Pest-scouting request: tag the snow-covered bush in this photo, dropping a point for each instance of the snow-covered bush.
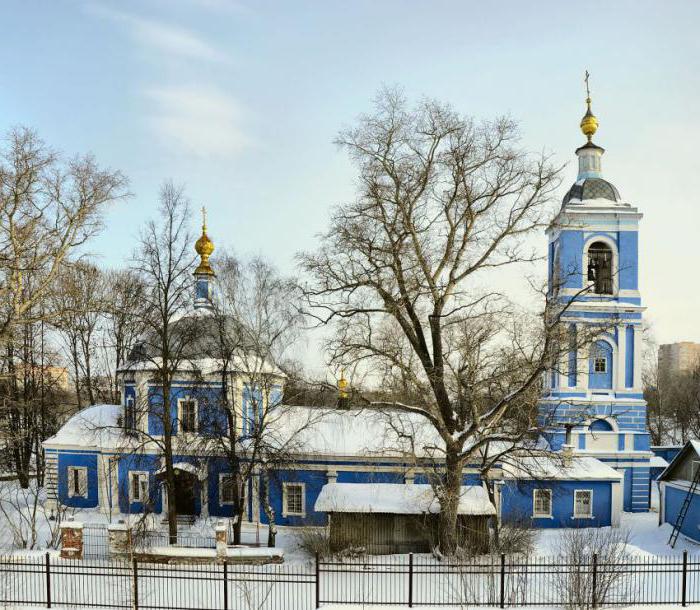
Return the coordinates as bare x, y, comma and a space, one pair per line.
580, 589
314, 540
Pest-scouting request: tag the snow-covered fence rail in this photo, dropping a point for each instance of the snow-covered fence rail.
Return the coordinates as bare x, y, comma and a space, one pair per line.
416, 581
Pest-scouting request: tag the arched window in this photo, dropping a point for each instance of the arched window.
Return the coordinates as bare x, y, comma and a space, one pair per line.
600, 425
600, 373
600, 259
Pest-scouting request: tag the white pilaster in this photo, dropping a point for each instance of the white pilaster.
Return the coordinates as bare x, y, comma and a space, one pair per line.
637, 379
620, 365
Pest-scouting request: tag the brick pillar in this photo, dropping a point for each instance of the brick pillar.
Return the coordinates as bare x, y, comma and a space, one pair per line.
221, 534
119, 536
71, 539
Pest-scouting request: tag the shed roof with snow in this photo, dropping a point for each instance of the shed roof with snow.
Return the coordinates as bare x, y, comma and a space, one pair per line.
578, 468
397, 499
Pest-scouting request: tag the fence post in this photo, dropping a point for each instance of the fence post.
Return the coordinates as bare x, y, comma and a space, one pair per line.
318, 584
136, 583
594, 592
410, 580
685, 578
48, 581
503, 580
225, 585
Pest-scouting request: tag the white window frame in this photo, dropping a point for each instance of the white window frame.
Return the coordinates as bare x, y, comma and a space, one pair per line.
285, 499
180, 418
222, 476
82, 470
535, 493
138, 473
604, 368
590, 513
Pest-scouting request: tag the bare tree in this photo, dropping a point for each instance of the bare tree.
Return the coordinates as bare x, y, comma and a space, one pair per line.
164, 265
78, 299
121, 325
441, 201
48, 209
254, 321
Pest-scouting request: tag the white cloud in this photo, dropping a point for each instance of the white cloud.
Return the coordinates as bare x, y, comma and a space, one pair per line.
204, 121
168, 39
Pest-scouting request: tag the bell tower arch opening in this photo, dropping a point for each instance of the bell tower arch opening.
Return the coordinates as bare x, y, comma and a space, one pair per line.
600, 267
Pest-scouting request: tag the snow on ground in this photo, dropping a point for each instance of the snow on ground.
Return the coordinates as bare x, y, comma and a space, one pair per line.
646, 537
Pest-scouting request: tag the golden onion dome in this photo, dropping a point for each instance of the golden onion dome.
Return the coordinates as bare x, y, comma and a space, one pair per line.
204, 247
589, 122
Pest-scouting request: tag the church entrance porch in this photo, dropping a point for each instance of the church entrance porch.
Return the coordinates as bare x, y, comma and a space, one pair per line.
186, 485
189, 491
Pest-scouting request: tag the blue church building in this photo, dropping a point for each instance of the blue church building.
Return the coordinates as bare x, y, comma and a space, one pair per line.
592, 411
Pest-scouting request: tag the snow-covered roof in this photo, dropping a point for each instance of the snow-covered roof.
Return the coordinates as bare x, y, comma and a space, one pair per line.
354, 432
252, 365
186, 467
658, 462
93, 427
690, 445
397, 499
551, 467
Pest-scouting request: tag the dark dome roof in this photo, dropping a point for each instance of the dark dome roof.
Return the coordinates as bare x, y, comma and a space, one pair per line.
592, 188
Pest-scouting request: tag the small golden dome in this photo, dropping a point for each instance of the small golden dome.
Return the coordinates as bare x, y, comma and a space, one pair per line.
204, 247
589, 122
342, 387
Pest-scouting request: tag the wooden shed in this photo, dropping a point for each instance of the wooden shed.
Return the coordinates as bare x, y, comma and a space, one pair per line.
384, 518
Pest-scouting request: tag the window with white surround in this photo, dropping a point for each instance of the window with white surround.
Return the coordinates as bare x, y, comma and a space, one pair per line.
187, 415
227, 490
77, 481
293, 502
138, 486
583, 504
542, 503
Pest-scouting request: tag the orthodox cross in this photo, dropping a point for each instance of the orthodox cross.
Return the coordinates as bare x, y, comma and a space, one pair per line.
204, 217
588, 91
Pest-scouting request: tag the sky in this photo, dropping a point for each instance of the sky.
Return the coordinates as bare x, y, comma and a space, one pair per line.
240, 101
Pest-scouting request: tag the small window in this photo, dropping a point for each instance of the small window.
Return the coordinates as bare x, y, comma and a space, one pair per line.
130, 413
542, 503
138, 483
188, 415
77, 482
293, 503
227, 489
600, 365
583, 504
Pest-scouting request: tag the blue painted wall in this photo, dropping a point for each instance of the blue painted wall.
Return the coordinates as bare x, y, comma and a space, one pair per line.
147, 463
87, 460
210, 415
628, 243
516, 503
673, 499
313, 481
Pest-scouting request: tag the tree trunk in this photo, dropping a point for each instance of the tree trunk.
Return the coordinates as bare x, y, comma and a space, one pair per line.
449, 503
267, 507
169, 470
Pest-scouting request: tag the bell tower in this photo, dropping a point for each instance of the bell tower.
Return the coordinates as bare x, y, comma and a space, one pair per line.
203, 274
593, 397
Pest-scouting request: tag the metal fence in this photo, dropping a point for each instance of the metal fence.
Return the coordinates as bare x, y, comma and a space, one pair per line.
414, 581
